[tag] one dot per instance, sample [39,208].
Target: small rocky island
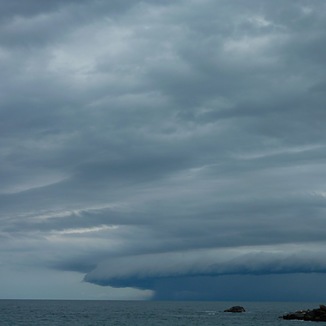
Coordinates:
[318,314]
[235,309]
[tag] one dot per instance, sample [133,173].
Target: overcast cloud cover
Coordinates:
[163,149]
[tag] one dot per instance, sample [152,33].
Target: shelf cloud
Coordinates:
[174,147]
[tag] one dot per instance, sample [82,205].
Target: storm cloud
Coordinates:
[173,147]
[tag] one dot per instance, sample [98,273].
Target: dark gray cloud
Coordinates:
[164,145]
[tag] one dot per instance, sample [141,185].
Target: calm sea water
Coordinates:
[127,313]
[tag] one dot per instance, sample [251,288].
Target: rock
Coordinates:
[235,309]
[322,307]
[298,315]
[318,314]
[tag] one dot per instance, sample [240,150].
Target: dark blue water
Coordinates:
[127,313]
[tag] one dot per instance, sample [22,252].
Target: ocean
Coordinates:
[145,313]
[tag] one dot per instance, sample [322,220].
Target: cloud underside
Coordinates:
[148,271]
[150,143]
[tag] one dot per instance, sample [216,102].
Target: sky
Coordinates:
[163,150]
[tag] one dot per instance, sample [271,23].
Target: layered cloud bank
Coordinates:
[143,270]
[171,146]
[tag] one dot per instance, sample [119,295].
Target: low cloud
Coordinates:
[153,143]
[150,267]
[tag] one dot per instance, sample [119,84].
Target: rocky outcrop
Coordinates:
[235,309]
[318,314]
